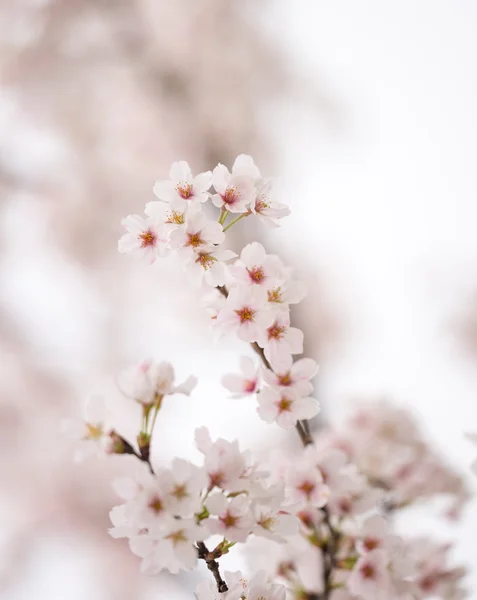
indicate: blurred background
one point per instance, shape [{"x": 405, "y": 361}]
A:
[{"x": 363, "y": 113}]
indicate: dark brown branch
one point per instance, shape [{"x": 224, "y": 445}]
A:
[{"x": 212, "y": 565}]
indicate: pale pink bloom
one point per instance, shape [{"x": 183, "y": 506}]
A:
[
  {"x": 373, "y": 534},
  {"x": 246, "y": 383},
  {"x": 150, "y": 381},
  {"x": 255, "y": 267},
  {"x": 351, "y": 495},
  {"x": 279, "y": 340},
  {"x": 197, "y": 234},
  {"x": 213, "y": 302},
  {"x": 370, "y": 577},
  {"x": 182, "y": 188},
  {"x": 286, "y": 407},
  {"x": 245, "y": 313},
  {"x": 306, "y": 486},
  {"x": 170, "y": 217},
  {"x": 267, "y": 210},
  {"x": 281, "y": 294},
  {"x": 292, "y": 375},
  {"x": 170, "y": 546},
  {"x": 209, "y": 264},
  {"x": 256, "y": 588},
  {"x": 88, "y": 431},
  {"x": 236, "y": 190},
  {"x": 146, "y": 238},
  {"x": 148, "y": 507},
  {"x": 183, "y": 485},
  {"x": 272, "y": 521},
  {"x": 234, "y": 519},
  {"x": 122, "y": 526},
  {"x": 223, "y": 461}
]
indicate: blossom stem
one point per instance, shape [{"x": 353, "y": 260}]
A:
[
  {"x": 242, "y": 216},
  {"x": 212, "y": 565},
  {"x": 223, "y": 216}
]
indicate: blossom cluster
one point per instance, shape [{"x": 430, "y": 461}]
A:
[{"x": 322, "y": 515}]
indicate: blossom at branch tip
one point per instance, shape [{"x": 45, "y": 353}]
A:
[
  {"x": 171, "y": 546},
  {"x": 286, "y": 407},
  {"x": 182, "y": 188},
  {"x": 236, "y": 190},
  {"x": 246, "y": 383},
  {"x": 234, "y": 520},
  {"x": 292, "y": 375},
  {"x": 197, "y": 233},
  {"x": 245, "y": 313},
  {"x": 268, "y": 211},
  {"x": 255, "y": 267},
  {"x": 145, "y": 237},
  {"x": 279, "y": 340}
]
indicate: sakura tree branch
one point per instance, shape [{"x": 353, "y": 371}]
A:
[{"x": 212, "y": 565}]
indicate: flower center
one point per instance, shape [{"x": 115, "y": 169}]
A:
[
  {"x": 371, "y": 544},
  {"x": 177, "y": 537},
  {"x": 256, "y": 274},
  {"x": 156, "y": 505},
  {"x": 368, "y": 571},
  {"x": 194, "y": 240},
  {"x": 285, "y": 404},
  {"x": 216, "y": 479},
  {"x": 229, "y": 520},
  {"x": 148, "y": 238},
  {"x": 261, "y": 203},
  {"x": 205, "y": 260},
  {"x": 285, "y": 380},
  {"x": 231, "y": 196},
  {"x": 184, "y": 190},
  {"x": 246, "y": 314},
  {"x": 93, "y": 432},
  {"x": 175, "y": 217},
  {"x": 266, "y": 522},
  {"x": 307, "y": 488},
  {"x": 249, "y": 386},
  {"x": 275, "y": 332},
  {"x": 275, "y": 295},
  {"x": 180, "y": 492}
]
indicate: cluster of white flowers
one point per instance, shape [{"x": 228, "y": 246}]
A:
[{"x": 321, "y": 514}]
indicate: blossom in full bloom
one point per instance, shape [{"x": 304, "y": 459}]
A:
[
  {"x": 272, "y": 521},
  {"x": 150, "y": 381},
  {"x": 286, "y": 407},
  {"x": 89, "y": 431},
  {"x": 268, "y": 211},
  {"x": 370, "y": 577},
  {"x": 246, "y": 383},
  {"x": 209, "y": 264},
  {"x": 182, "y": 485},
  {"x": 145, "y": 237},
  {"x": 292, "y": 375},
  {"x": 197, "y": 234},
  {"x": 239, "y": 588},
  {"x": 245, "y": 313},
  {"x": 236, "y": 190},
  {"x": 234, "y": 520},
  {"x": 279, "y": 340},
  {"x": 255, "y": 267},
  {"x": 306, "y": 485},
  {"x": 182, "y": 189},
  {"x": 169, "y": 546}
]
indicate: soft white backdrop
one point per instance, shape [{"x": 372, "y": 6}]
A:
[{"x": 382, "y": 186}]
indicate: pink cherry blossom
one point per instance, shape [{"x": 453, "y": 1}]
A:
[
  {"x": 292, "y": 375},
  {"x": 246, "y": 383},
  {"x": 255, "y": 267},
  {"x": 279, "y": 340},
  {"x": 89, "y": 432},
  {"x": 182, "y": 188},
  {"x": 268, "y": 211},
  {"x": 209, "y": 264},
  {"x": 245, "y": 313},
  {"x": 285, "y": 406},
  {"x": 236, "y": 190},
  {"x": 370, "y": 577},
  {"x": 234, "y": 519},
  {"x": 182, "y": 485},
  {"x": 146, "y": 238},
  {"x": 306, "y": 485},
  {"x": 198, "y": 233}
]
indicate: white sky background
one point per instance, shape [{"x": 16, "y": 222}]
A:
[{"x": 383, "y": 198}]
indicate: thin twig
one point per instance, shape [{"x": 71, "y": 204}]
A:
[{"x": 212, "y": 565}]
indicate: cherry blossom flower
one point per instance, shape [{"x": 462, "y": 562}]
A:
[
  {"x": 197, "y": 234},
  {"x": 234, "y": 520},
  {"x": 89, "y": 431},
  {"x": 370, "y": 577},
  {"x": 149, "y": 382},
  {"x": 271, "y": 519},
  {"x": 171, "y": 218},
  {"x": 209, "y": 264},
  {"x": 183, "y": 484},
  {"x": 285, "y": 406},
  {"x": 268, "y": 211},
  {"x": 147, "y": 238},
  {"x": 279, "y": 340},
  {"x": 292, "y": 375},
  {"x": 287, "y": 291},
  {"x": 255, "y": 267},
  {"x": 245, "y": 313},
  {"x": 182, "y": 188},
  {"x": 236, "y": 190},
  {"x": 373, "y": 534},
  {"x": 257, "y": 588},
  {"x": 306, "y": 486},
  {"x": 245, "y": 384},
  {"x": 170, "y": 546}
]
